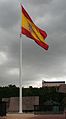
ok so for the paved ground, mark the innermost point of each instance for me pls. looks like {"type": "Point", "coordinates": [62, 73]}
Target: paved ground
{"type": "Point", "coordinates": [18, 116]}
{"type": "Point", "coordinates": [32, 116]}
{"type": "Point", "coordinates": [48, 117]}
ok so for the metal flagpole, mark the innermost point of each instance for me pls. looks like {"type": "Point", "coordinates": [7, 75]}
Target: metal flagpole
{"type": "Point", "coordinates": [20, 80]}
{"type": "Point", "coordinates": [20, 74]}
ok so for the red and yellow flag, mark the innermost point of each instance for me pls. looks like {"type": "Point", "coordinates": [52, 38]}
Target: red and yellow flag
{"type": "Point", "coordinates": [32, 31]}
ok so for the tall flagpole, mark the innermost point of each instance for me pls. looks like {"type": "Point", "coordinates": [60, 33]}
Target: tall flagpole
{"type": "Point", "coordinates": [20, 74]}
{"type": "Point", "coordinates": [20, 80]}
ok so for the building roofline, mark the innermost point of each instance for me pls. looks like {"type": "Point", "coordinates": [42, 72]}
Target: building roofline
{"type": "Point", "coordinates": [53, 81]}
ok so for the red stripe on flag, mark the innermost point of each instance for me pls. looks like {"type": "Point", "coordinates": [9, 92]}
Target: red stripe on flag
{"type": "Point", "coordinates": [28, 34]}
{"type": "Point", "coordinates": [26, 14]}
{"type": "Point", "coordinates": [43, 45]}
{"type": "Point", "coordinates": [43, 33]}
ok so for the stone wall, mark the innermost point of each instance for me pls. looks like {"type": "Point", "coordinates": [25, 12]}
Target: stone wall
{"type": "Point", "coordinates": [27, 103]}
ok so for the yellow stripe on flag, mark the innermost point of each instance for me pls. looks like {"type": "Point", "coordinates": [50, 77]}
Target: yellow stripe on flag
{"type": "Point", "coordinates": [31, 27]}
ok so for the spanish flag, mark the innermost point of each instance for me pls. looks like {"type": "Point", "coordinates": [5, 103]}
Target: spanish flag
{"type": "Point", "coordinates": [32, 31]}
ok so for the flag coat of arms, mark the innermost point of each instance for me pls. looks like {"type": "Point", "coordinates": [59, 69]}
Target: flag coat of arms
{"type": "Point", "coordinates": [29, 29]}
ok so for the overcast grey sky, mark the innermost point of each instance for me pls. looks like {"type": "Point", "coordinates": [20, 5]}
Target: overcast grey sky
{"type": "Point", "coordinates": [38, 64]}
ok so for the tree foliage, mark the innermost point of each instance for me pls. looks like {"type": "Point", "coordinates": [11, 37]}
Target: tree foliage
{"type": "Point", "coordinates": [45, 93]}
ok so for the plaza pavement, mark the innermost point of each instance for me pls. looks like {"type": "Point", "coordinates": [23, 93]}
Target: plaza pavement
{"type": "Point", "coordinates": [32, 116]}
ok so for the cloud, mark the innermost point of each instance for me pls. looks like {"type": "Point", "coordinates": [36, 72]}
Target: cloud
{"type": "Point", "coordinates": [3, 58]}
{"type": "Point", "coordinates": [9, 15]}
{"type": "Point", "coordinates": [13, 71]}
{"type": "Point", "coordinates": [38, 2]}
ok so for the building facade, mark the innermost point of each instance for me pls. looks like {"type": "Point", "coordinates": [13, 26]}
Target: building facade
{"type": "Point", "coordinates": [62, 88]}
{"type": "Point", "coordinates": [52, 83]}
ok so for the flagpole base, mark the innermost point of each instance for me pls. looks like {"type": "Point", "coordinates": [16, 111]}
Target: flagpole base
{"type": "Point", "coordinates": [20, 112]}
